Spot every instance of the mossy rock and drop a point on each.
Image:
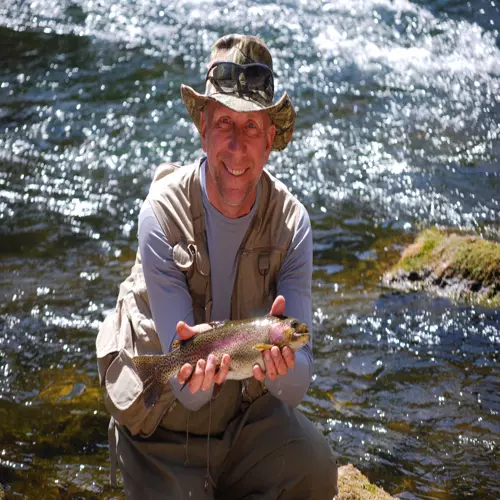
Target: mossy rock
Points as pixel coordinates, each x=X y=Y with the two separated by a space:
x=461 y=267
x=353 y=485
x=68 y=386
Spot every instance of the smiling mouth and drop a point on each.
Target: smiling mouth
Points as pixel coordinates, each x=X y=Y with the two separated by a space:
x=235 y=172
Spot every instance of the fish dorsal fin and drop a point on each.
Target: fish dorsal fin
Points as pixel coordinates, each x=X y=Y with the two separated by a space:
x=186 y=342
x=217 y=324
x=181 y=343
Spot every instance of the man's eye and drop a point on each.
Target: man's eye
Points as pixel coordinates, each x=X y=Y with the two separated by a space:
x=252 y=125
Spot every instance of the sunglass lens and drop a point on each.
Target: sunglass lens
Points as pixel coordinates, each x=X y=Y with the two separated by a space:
x=259 y=78
x=231 y=77
x=225 y=72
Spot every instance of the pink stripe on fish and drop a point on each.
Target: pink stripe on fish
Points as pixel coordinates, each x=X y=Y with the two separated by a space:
x=229 y=342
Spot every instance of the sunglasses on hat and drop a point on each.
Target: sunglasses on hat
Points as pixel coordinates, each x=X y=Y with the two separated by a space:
x=253 y=80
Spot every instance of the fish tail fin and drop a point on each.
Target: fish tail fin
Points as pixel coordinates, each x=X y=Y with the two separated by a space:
x=147 y=369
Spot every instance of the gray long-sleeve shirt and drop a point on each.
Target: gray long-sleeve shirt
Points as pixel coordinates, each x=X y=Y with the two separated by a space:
x=171 y=302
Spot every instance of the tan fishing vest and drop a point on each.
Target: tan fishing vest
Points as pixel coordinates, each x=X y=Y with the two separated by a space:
x=176 y=200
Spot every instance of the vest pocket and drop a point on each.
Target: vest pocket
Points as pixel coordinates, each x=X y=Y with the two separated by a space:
x=255 y=285
x=106 y=345
x=122 y=382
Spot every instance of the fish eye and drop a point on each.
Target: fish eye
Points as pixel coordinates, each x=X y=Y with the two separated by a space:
x=294 y=324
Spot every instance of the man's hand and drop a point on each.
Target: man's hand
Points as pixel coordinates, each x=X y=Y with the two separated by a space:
x=204 y=372
x=277 y=361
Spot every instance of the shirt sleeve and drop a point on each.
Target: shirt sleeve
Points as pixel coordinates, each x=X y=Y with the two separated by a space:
x=294 y=283
x=168 y=294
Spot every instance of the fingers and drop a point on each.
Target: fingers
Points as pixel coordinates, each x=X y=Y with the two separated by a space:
x=289 y=357
x=278 y=307
x=276 y=362
x=258 y=373
x=184 y=331
x=184 y=373
x=208 y=379
x=205 y=373
x=198 y=376
x=221 y=375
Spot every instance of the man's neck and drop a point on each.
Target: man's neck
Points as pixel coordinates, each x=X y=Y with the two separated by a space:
x=216 y=200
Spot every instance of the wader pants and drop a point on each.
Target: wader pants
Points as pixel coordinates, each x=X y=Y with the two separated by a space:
x=267 y=452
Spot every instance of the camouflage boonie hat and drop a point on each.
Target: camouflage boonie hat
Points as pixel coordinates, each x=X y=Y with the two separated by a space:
x=243 y=49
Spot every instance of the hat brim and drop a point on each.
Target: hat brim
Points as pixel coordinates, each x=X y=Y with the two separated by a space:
x=282 y=113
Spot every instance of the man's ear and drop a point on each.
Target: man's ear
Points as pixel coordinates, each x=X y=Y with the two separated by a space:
x=203 y=129
x=271 y=134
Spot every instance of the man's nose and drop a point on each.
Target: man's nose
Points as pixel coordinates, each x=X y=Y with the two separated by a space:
x=238 y=141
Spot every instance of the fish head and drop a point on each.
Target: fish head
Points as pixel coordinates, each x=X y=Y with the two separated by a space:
x=289 y=332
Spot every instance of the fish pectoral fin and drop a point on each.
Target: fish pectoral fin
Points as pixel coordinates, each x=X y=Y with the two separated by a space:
x=262 y=347
x=146 y=368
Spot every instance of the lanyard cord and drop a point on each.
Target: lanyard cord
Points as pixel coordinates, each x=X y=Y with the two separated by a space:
x=187 y=438
x=208 y=477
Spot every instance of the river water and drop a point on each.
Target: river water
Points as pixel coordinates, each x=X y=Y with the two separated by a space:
x=398 y=129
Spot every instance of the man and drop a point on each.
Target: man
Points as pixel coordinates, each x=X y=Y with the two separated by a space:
x=219 y=239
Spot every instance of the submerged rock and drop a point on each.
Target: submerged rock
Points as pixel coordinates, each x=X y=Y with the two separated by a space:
x=353 y=485
x=460 y=267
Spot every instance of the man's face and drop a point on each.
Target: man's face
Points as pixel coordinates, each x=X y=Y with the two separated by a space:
x=237 y=146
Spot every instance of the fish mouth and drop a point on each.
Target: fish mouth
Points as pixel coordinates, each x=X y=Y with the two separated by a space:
x=296 y=331
x=302 y=328
x=300 y=334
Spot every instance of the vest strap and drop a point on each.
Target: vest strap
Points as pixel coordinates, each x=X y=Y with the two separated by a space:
x=197 y=211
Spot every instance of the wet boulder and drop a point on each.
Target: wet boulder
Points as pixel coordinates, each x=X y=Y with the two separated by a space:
x=353 y=485
x=462 y=267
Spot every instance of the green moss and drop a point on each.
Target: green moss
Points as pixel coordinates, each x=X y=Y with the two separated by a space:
x=66 y=386
x=420 y=254
x=479 y=260
x=453 y=256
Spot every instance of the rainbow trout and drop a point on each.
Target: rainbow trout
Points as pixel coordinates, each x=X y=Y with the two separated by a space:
x=243 y=340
